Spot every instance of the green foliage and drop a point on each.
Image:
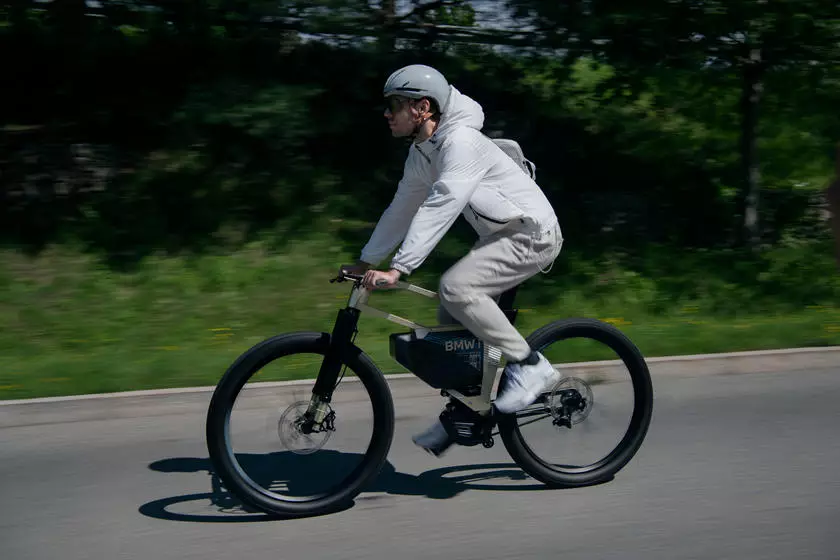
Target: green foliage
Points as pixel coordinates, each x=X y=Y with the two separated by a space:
x=70 y=325
x=186 y=178
x=758 y=60
x=197 y=126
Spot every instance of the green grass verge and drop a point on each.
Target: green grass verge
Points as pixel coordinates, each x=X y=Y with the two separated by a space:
x=71 y=325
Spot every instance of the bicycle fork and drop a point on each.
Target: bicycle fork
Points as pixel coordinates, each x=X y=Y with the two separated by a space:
x=340 y=343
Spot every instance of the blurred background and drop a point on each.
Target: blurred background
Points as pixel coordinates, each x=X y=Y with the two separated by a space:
x=180 y=180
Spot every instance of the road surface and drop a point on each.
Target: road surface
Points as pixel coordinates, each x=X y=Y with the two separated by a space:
x=741 y=466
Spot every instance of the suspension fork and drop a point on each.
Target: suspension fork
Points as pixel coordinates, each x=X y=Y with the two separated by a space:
x=340 y=343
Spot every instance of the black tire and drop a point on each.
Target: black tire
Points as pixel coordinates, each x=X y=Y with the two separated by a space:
x=606 y=468
x=237 y=375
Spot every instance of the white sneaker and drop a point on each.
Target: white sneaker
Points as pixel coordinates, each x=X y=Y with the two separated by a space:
x=435 y=439
x=524 y=384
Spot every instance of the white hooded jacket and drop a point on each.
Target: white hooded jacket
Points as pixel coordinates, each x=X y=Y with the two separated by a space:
x=457 y=171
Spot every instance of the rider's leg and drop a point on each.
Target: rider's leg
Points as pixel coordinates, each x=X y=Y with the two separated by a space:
x=470 y=288
x=435 y=439
x=467 y=291
x=444 y=318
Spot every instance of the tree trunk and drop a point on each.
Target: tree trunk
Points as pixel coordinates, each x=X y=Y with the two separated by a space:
x=832 y=195
x=750 y=98
x=388 y=40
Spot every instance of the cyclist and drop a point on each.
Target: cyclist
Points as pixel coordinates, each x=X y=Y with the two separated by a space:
x=453 y=169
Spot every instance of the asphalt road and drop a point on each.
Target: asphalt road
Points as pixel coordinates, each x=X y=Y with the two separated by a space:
x=742 y=466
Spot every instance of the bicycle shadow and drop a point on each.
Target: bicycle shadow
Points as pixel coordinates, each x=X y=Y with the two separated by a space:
x=305 y=472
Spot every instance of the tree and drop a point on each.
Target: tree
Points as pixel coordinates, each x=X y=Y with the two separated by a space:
x=745 y=39
x=833 y=195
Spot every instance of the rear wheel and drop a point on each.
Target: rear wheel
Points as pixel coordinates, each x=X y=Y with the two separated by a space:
x=281 y=465
x=592 y=388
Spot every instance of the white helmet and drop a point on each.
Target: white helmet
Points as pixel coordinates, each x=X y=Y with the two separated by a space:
x=416 y=81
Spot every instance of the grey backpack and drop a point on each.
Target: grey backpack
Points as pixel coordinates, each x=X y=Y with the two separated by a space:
x=514 y=151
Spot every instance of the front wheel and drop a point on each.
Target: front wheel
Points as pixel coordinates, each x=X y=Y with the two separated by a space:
x=282 y=464
x=595 y=390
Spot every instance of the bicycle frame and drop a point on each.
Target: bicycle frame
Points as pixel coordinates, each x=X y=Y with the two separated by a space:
x=347 y=321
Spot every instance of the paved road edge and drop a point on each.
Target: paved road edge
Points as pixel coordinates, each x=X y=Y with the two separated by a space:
x=729 y=363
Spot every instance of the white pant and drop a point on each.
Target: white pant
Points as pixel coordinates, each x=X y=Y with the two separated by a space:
x=496 y=263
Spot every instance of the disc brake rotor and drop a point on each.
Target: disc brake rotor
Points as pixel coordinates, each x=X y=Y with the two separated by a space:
x=556 y=402
x=290 y=428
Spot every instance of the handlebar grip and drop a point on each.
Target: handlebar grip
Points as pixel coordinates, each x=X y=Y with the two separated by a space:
x=399 y=285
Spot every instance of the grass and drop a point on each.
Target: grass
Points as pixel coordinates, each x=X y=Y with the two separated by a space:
x=71 y=325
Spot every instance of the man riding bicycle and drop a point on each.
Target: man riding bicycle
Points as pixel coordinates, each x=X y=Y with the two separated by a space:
x=453 y=169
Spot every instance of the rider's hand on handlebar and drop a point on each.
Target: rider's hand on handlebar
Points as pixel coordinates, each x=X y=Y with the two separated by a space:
x=378 y=279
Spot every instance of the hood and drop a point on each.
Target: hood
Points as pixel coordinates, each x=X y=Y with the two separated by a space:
x=461 y=110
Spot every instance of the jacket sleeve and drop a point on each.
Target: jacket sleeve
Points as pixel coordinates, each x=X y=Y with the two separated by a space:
x=393 y=225
x=461 y=169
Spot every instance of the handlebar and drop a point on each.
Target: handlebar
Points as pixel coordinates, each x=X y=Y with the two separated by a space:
x=344 y=276
x=357 y=278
